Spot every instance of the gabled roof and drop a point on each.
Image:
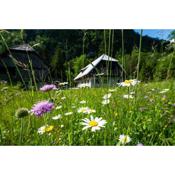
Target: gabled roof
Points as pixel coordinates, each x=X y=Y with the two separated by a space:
x=23 y=47
x=86 y=70
x=22 y=60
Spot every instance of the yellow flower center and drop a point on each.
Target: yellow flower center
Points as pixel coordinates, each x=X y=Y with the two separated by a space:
x=93 y=123
x=128 y=81
x=125 y=139
x=49 y=128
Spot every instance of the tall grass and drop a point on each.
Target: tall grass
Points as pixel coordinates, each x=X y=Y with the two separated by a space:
x=149 y=121
x=123 y=49
x=139 y=56
x=13 y=59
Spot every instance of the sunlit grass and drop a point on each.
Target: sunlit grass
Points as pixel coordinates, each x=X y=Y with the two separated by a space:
x=148 y=118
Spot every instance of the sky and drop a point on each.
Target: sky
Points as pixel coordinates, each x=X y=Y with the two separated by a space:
x=161 y=34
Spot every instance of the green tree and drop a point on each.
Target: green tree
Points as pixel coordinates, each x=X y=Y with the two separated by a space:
x=172 y=35
x=11 y=38
x=57 y=62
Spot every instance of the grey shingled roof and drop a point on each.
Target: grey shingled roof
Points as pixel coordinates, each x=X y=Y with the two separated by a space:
x=22 y=47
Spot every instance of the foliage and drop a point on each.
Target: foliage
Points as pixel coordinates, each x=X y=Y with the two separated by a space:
x=62 y=50
x=11 y=38
x=57 y=62
x=148 y=118
x=74 y=66
x=165 y=68
x=172 y=35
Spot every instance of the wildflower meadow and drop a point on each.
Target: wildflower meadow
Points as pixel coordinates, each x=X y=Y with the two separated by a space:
x=131 y=113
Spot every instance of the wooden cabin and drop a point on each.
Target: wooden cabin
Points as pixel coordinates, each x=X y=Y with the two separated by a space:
x=22 y=58
x=104 y=71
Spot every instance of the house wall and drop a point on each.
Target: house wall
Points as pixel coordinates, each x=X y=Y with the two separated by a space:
x=104 y=81
x=104 y=74
x=86 y=82
x=98 y=81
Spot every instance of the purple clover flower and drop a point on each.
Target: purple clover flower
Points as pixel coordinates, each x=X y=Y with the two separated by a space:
x=42 y=107
x=48 y=87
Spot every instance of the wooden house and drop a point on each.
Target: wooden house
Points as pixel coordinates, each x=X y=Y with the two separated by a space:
x=24 y=60
x=104 y=71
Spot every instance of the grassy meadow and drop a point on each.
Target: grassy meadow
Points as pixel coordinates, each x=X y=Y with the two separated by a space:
x=146 y=118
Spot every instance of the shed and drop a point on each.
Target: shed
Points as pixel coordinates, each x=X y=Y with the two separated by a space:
x=25 y=59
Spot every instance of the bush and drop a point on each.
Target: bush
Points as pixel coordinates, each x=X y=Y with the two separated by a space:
x=165 y=68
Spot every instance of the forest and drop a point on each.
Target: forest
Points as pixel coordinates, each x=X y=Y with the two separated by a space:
x=67 y=51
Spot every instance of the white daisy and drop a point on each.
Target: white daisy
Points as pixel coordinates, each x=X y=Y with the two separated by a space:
x=58 y=107
x=82 y=102
x=124 y=139
x=128 y=83
x=112 y=90
x=63 y=83
x=56 y=117
x=68 y=113
x=127 y=96
x=93 y=123
x=107 y=96
x=84 y=85
x=132 y=93
x=45 y=128
x=106 y=101
x=164 y=91
x=86 y=110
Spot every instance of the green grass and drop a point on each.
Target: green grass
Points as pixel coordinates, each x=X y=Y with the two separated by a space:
x=148 y=118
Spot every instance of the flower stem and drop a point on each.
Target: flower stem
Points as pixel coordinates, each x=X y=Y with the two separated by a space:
x=21 y=133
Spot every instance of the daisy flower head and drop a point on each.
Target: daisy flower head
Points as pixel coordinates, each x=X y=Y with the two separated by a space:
x=164 y=91
x=68 y=113
x=56 y=117
x=112 y=90
x=63 y=98
x=82 y=102
x=63 y=83
x=45 y=128
x=127 y=96
x=58 y=107
x=128 y=83
x=93 y=123
x=42 y=107
x=86 y=110
x=132 y=93
x=48 y=87
x=124 y=139
x=84 y=85
x=106 y=101
x=107 y=96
